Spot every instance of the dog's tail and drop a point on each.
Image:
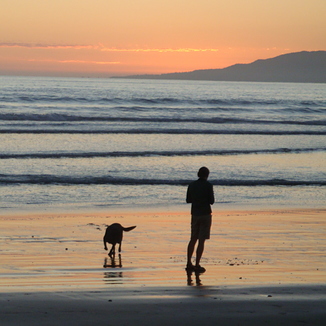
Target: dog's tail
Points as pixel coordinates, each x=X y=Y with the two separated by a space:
x=129 y=228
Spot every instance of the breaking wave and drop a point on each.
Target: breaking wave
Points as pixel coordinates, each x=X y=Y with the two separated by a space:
x=157 y=153
x=9 y=179
x=59 y=117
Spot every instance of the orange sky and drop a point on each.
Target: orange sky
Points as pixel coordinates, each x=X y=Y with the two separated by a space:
x=119 y=37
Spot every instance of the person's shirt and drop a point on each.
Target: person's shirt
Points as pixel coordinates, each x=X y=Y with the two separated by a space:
x=201 y=196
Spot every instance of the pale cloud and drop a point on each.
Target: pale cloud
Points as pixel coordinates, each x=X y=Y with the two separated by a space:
x=159 y=50
x=77 y=61
x=101 y=47
x=46 y=46
x=90 y=62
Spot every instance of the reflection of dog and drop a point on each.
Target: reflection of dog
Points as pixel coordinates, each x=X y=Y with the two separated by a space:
x=113 y=262
x=114 y=235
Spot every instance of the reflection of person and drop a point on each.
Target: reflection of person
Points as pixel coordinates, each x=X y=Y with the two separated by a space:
x=201 y=196
x=189 y=278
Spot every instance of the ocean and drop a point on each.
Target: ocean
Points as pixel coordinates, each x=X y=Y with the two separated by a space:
x=107 y=144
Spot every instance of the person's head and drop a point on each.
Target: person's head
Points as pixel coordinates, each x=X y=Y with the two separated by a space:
x=203 y=173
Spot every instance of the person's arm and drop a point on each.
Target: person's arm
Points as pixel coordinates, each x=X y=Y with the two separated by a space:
x=211 y=196
x=188 y=198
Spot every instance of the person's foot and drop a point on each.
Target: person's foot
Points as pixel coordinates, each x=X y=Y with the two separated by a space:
x=199 y=269
x=189 y=267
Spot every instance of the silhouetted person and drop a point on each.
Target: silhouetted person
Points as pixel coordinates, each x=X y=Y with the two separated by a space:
x=201 y=196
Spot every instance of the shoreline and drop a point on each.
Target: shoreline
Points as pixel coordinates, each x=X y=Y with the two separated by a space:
x=183 y=209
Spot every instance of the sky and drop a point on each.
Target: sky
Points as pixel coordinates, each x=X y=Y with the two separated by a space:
x=124 y=37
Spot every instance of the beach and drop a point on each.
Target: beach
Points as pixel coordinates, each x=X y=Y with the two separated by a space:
x=263 y=267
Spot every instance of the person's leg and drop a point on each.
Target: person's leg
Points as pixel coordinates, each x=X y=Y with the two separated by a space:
x=205 y=223
x=193 y=239
x=190 y=250
x=200 y=250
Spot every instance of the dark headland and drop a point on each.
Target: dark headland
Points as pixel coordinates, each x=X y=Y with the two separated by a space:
x=298 y=67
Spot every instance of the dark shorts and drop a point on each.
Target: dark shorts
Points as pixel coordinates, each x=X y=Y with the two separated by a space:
x=201 y=226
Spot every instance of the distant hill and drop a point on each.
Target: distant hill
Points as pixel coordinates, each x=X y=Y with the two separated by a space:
x=299 y=67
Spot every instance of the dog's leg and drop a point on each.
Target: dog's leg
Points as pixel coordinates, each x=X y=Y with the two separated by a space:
x=112 y=251
x=120 y=247
x=105 y=247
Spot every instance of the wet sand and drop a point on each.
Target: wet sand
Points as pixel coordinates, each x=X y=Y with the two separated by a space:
x=297 y=305
x=263 y=267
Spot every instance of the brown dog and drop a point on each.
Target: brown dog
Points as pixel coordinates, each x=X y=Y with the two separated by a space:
x=114 y=235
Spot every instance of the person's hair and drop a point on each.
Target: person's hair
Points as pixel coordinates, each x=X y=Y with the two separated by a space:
x=203 y=172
